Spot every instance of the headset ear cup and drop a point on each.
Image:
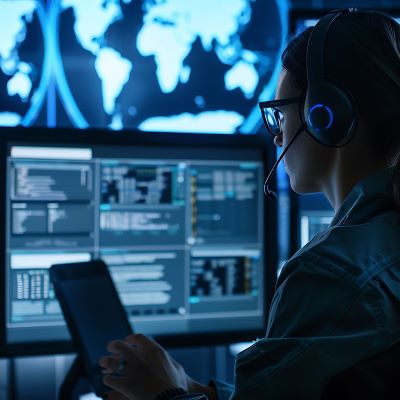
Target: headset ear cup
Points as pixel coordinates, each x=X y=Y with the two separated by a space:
x=330 y=115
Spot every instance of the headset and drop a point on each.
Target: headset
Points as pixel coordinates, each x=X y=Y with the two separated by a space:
x=328 y=112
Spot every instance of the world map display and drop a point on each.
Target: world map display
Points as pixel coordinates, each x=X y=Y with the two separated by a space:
x=152 y=65
x=24 y=68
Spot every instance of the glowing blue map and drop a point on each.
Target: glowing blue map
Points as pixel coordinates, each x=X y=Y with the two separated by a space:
x=24 y=69
x=167 y=65
x=153 y=65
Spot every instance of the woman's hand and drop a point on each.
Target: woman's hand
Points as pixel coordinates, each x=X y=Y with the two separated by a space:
x=149 y=369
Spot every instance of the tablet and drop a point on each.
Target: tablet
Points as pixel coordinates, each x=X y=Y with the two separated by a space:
x=93 y=312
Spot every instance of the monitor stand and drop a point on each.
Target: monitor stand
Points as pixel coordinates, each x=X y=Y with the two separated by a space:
x=74 y=378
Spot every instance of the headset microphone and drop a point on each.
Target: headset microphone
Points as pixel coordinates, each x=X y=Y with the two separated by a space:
x=270 y=193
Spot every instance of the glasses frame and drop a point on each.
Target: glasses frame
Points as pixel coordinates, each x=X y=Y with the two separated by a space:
x=275 y=103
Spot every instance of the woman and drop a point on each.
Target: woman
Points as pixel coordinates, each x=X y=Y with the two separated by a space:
x=336 y=310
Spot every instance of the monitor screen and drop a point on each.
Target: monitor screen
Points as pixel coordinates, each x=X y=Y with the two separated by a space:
x=180 y=227
x=313 y=222
x=314 y=215
x=170 y=66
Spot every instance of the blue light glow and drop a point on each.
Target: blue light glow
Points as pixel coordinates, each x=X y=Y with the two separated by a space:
x=179 y=24
x=67 y=99
x=14 y=17
x=254 y=121
x=329 y=111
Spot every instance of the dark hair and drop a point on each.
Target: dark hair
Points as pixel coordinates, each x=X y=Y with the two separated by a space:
x=362 y=49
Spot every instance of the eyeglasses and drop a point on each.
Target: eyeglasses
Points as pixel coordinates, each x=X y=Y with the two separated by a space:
x=272 y=115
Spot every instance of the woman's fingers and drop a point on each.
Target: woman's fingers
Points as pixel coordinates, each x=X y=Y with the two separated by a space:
x=140 y=340
x=121 y=348
x=148 y=369
x=117 y=383
x=110 y=363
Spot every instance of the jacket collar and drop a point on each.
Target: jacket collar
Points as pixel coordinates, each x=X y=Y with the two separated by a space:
x=372 y=195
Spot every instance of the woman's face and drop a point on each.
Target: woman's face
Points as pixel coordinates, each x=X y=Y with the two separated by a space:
x=308 y=163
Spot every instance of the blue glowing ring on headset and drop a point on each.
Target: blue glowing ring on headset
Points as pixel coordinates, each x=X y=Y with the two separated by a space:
x=328 y=109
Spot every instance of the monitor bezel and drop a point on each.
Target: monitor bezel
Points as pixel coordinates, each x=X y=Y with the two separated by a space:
x=70 y=136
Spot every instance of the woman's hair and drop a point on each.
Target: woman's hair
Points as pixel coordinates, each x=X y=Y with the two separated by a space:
x=362 y=56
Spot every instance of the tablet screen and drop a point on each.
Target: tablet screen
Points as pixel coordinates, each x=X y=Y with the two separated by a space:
x=97 y=318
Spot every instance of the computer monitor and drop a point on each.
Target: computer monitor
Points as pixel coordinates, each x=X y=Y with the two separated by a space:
x=300 y=20
x=311 y=214
x=181 y=221
x=187 y=66
x=313 y=222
